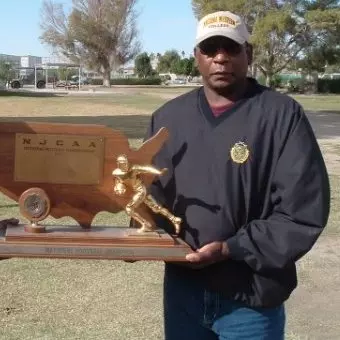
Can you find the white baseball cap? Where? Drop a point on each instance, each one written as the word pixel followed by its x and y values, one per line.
pixel 223 23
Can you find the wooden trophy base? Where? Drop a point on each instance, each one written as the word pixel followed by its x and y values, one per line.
pixel 105 243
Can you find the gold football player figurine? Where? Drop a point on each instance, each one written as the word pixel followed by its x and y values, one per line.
pixel 127 176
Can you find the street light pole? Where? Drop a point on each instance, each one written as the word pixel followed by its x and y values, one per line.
pixel 79 73
pixel 35 76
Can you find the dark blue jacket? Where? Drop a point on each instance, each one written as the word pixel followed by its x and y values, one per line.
pixel 255 177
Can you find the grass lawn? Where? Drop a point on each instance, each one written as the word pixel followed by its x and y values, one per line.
pixel 105 300
pixel 319 103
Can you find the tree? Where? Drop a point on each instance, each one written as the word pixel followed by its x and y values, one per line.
pixel 278 40
pixel 101 34
pixel 6 71
pixel 178 66
pixel 171 62
pixel 282 31
pixel 168 61
pixel 320 59
pixel 66 73
pixel 248 9
pixel 194 72
pixel 184 66
pixel 324 53
pixel 143 66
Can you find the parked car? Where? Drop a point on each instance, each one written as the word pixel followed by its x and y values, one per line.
pixel 75 80
pixel 26 76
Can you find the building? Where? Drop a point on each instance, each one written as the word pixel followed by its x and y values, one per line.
pixel 56 61
pixel 30 61
pixel 21 61
pixel 154 62
pixel 13 59
pixel 127 71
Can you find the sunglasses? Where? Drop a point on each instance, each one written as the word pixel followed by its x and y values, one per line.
pixel 211 46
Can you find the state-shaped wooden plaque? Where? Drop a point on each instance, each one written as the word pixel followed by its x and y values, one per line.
pixel 65 170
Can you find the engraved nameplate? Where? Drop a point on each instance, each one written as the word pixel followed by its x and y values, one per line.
pixel 88 252
pixel 60 159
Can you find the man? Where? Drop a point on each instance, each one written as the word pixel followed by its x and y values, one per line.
pixel 246 175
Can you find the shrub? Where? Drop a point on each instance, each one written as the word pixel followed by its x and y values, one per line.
pixel 130 81
pixel 297 85
pixel 328 85
pixel 276 81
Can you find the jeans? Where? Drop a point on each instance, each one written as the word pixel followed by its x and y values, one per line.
pixel 193 313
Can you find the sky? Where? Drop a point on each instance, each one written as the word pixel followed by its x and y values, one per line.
pixel 162 25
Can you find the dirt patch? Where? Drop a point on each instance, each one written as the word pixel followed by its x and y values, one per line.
pixel 64 107
pixel 54 299
pixel 313 309
pixel 331 152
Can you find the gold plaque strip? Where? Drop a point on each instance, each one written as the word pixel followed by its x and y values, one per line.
pixel 59 159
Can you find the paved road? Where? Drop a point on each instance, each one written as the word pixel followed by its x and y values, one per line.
pixel 325 124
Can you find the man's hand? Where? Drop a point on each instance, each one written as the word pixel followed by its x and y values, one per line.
pixel 4 223
pixel 208 254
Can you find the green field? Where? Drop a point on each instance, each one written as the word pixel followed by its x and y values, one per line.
pixel 105 300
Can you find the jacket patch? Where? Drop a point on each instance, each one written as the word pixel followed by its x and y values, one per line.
pixel 239 153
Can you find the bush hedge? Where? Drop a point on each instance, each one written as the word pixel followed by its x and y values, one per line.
pixel 299 85
pixel 130 81
pixel 329 86
pixel 296 85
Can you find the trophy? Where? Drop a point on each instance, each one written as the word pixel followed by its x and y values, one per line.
pixel 74 170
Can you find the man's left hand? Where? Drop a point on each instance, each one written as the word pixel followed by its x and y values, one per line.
pixel 209 254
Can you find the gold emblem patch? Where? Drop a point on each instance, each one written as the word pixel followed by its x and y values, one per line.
pixel 239 153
